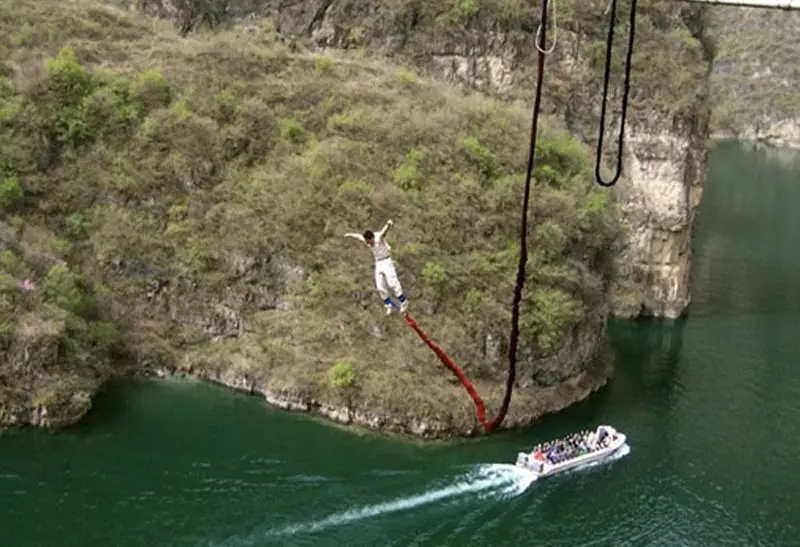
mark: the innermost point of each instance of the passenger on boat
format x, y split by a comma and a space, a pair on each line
571, 446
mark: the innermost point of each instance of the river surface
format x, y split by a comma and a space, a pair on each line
711, 405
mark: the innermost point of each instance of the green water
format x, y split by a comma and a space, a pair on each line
710, 405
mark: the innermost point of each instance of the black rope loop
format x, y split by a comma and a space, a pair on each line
626, 89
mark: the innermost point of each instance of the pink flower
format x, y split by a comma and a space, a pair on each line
27, 286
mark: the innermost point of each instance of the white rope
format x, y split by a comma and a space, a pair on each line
769, 4
555, 33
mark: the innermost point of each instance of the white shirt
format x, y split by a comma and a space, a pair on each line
380, 249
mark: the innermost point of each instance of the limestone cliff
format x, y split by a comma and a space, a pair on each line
756, 75
490, 47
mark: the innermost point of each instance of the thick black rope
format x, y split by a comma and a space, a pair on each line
523, 252
626, 89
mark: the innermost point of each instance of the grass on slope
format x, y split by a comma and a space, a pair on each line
229, 167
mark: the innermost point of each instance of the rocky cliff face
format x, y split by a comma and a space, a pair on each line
51, 361
491, 48
229, 339
756, 76
208, 225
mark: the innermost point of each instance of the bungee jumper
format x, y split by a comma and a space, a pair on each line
386, 276
386, 279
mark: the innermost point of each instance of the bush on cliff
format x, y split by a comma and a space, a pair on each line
204, 184
56, 346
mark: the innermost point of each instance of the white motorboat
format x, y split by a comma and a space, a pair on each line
572, 451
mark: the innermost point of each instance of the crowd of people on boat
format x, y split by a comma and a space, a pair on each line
571, 446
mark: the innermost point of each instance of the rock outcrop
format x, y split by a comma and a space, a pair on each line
35, 388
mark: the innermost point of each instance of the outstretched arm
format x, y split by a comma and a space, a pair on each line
389, 224
355, 236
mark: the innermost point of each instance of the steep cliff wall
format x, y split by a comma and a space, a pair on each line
756, 75
490, 46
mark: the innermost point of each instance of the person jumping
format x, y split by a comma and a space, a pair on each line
385, 274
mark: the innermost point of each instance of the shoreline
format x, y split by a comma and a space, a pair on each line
775, 142
527, 406
530, 407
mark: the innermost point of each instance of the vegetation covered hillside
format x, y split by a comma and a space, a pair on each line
180, 202
489, 46
756, 75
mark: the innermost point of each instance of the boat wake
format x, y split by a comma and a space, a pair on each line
488, 481
497, 480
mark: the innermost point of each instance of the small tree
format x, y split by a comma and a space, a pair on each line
11, 194
342, 375
61, 287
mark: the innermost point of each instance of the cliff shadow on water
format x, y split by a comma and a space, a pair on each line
749, 226
654, 347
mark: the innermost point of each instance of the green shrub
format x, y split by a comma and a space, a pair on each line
480, 155
76, 225
323, 65
11, 193
467, 8
434, 278
68, 85
342, 374
340, 121
61, 287
553, 311
405, 77
12, 264
408, 175
151, 91
291, 131
110, 110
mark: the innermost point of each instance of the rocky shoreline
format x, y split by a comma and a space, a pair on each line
536, 405
549, 401
529, 403
53, 417
785, 134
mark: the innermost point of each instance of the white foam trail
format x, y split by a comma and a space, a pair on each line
509, 479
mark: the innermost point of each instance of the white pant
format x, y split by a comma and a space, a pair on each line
386, 278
